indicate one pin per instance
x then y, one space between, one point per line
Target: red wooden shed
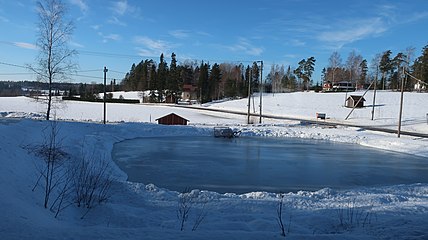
172 119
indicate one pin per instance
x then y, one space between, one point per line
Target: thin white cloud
205 34
384 17
114 20
386 10
297 43
290 56
25 45
114 37
246 47
146 52
180 34
416 17
151 47
120 7
354 31
81 4
3 19
109 37
96 27
76 44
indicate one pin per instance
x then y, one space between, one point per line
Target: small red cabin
172 119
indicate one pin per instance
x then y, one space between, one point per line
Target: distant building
419 87
355 101
170 99
189 92
172 119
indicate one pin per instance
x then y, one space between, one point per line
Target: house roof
173 114
356 98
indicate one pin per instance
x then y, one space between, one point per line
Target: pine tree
299 71
397 64
304 71
290 79
363 71
162 75
203 84
420 66
385 67
174 77
214 80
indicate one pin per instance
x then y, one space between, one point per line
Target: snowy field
144 211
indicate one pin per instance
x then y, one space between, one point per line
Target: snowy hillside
144 211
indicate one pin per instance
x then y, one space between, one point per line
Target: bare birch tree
54 61
277 73
335 62
352 64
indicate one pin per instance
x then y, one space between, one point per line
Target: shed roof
356 98
172 114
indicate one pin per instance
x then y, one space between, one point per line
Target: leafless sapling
284 228
185 202
92 182
51 172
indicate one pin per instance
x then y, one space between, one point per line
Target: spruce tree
161 78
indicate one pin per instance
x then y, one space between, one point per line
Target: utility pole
261 93
403 78
105 75
249 94
374 94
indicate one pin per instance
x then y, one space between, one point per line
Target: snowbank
144 211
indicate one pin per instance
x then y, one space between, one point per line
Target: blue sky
118 33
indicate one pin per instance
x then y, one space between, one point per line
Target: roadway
327 122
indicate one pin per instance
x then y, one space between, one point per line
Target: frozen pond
249 164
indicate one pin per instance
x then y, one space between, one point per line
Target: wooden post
105 74
401 103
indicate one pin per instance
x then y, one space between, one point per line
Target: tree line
229 80
210 82
386 69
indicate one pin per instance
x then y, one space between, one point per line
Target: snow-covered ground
144 211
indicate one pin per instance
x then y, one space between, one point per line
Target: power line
86 76
13 65
94 70
116 71
137 56
29 68
13 74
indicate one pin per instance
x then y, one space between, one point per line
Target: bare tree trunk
49 100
